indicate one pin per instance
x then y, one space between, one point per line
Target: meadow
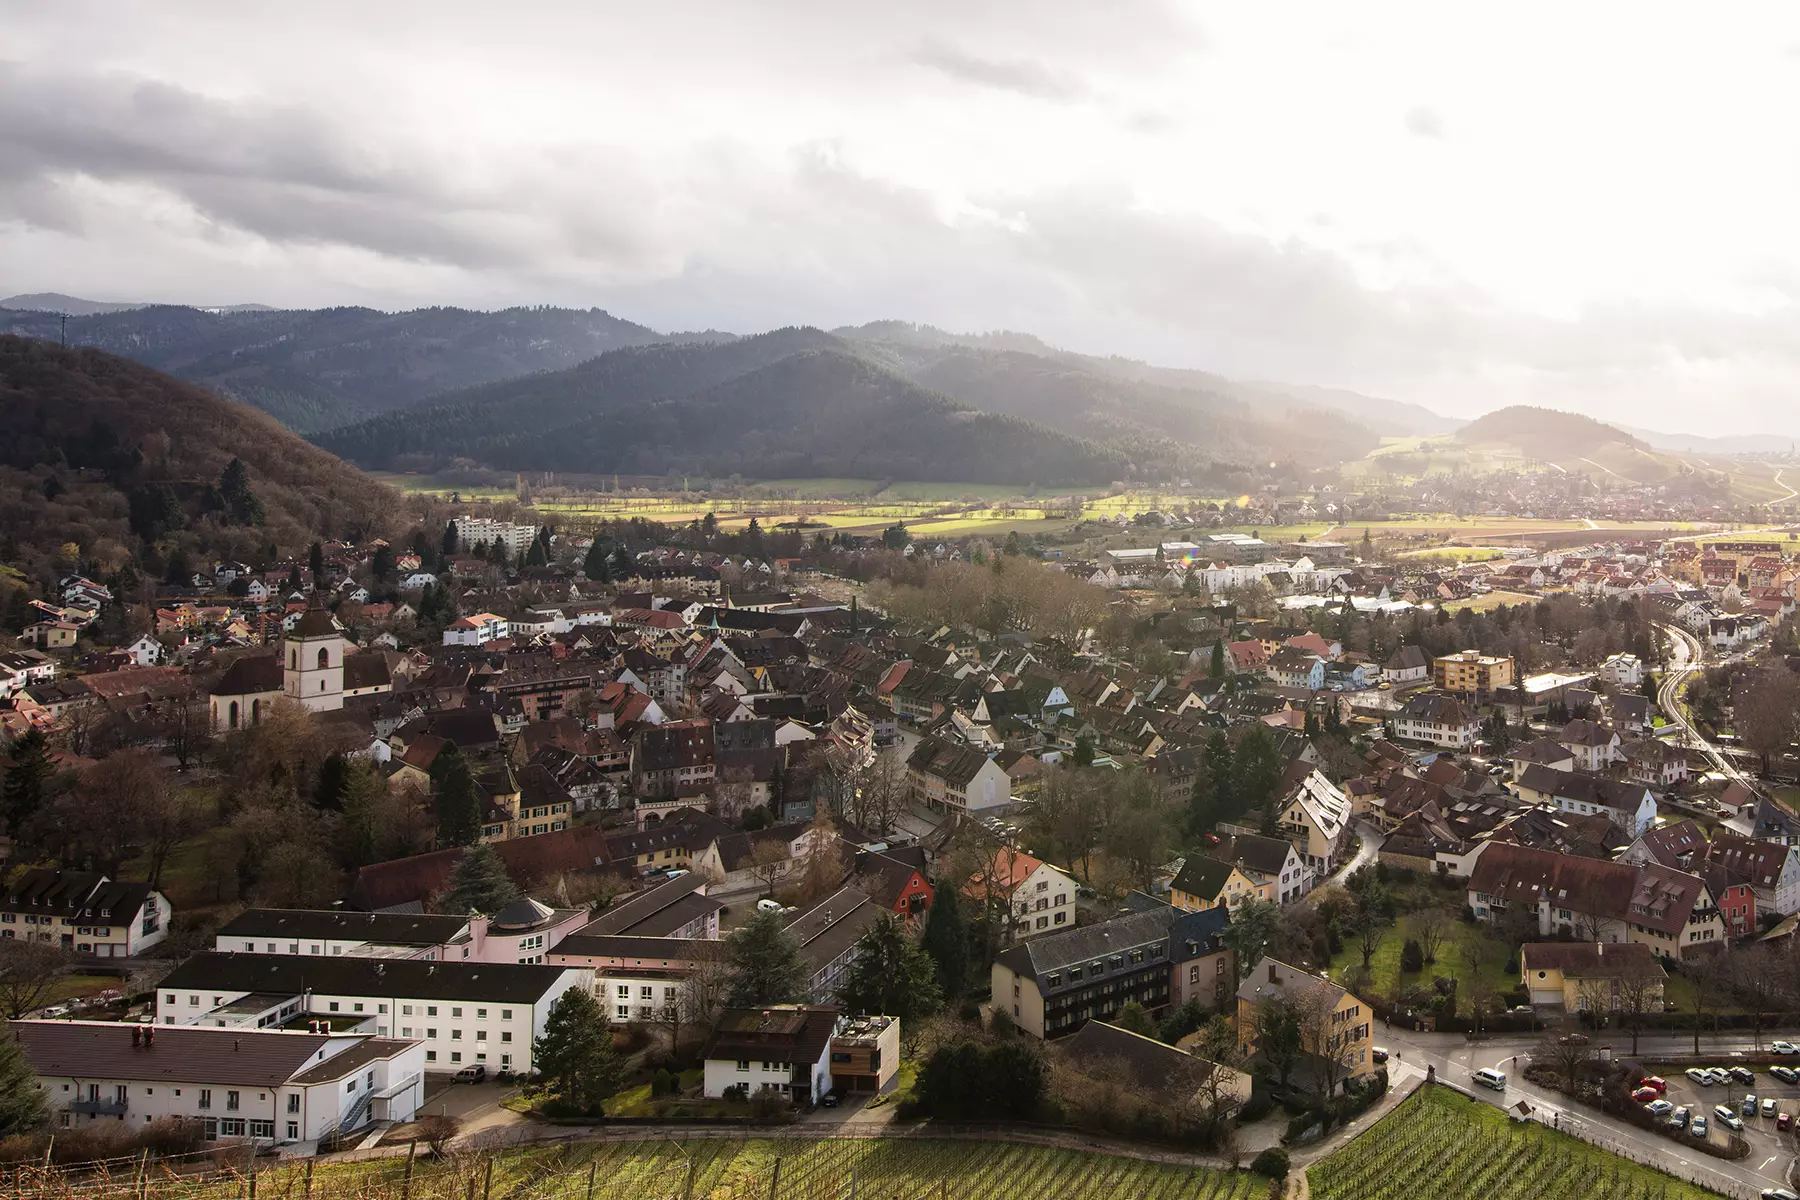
1440 1143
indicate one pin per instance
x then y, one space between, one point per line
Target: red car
1646 1094
1784 1121
1655 1081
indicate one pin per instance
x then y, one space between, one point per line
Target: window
506 1060
205 1097
456 1035
456 1012
431 1010
293 1102
406 1010
349 1085
624 991
262 1129
1060 918
743 1064
506 1014
506 1035
333 1006
1061 899
623 1012
456 1056
430 1031
481 1014
231 1101
431 1056
357 1007
293 1131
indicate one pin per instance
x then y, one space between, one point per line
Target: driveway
476 1105
1372 838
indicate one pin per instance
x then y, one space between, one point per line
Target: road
1365 854
1779 482
1688 656
1456 1060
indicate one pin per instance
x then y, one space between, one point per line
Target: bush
1272 1163
770 1106
662 1083
1412 957
1260 1105
438 1130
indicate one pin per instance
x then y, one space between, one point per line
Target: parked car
1785 1074
1488 1077
830 1099
1379 1054
1644 1095
1655 1081
475 1074
1784 1121
768 906
1768 1106
1701 1076
1679 1118
1784 1047
1659 1108
1727 1118
1749 1105
1742 1074
1777 1194
1698 1127
1523 1010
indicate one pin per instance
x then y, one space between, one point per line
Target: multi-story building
84 912
1267 868
472 531
522 932
1053 985
1472 673
299 1086
829 934
945 776
1334 1024
1038 898
1315 817
467 1014
1437 720
676 759
782 1048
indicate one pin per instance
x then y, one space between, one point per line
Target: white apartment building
481 531
268 1086
466 1014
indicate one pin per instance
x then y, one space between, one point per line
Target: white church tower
312 669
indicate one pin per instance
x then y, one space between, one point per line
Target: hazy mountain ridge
1546 433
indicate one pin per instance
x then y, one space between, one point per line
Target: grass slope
1442 1144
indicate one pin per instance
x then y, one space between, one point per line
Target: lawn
1385 965
1443 1144
765 1168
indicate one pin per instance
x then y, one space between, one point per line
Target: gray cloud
1024 76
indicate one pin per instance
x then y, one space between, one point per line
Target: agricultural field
905 1168
1440 1143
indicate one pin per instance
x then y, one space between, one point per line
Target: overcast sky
1590 206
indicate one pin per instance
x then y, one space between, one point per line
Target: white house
475 630
1437 720
783 1048
1315 816
1623 671
84 912
1593 745
270 1086
417 581
146 651
942 775
1630 806
467 1014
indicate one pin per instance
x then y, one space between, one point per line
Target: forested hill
1545 432
131 465
319 368
787 404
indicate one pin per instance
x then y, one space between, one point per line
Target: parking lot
1760 1130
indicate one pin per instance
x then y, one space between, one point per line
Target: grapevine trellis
1441 1144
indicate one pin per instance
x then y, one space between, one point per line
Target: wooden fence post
775 1179
592 1167
412 1150
487 1185
308 1188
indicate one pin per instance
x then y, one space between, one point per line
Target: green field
1441 1144
774 1168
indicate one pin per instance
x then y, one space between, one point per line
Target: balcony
100 1108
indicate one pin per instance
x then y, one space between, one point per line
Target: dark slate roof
250 675
292 974
1202 876
674 746
832 926
1040 955
643 950
315 622
386 929
955 765
627 912
178 1054
81 896
1155 1067
346 1062
793 1033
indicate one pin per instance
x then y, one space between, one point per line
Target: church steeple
313 659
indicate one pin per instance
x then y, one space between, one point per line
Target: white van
1488 1077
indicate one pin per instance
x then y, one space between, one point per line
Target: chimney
137 1036
149 1036
1272 978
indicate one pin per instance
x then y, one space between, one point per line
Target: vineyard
698 1169
1440 1143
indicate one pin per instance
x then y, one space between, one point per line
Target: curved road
1688 657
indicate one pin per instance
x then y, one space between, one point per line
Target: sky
1592 206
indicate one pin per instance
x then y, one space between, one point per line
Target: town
1209 841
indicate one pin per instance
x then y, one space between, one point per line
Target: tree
1568 1055
1212 798
234 490
455 798
891 976
21 1102
364 795
1428 928
1474 956
1216 668
895 536
1066 814
946 940
824 865
1247 937
698 997
1256 769
576 1055
315 564
1135 1018
1768 714
770 863
1139 829
1084 751
28 973
763 963
381 563
1371 931
1279 1036
27 780
595 564
478 883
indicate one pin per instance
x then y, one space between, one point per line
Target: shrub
770 1106
1260 1105
1272 1163
1412 957
437 1131
662 1083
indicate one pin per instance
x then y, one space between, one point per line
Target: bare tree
1475 956
28 973
1568 1055
770 863
1640 994
187 729
1752 974
1428 929
1371 931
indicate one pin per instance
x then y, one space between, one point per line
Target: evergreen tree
1256 769
294 582
537 556
1216 668
381 564
1212 798
315 564
21 1103
478 883
1135 1018
448 546
595 566
234 491
764 964
333 782
455 798
946 939
364 791
1084 751
27 780
576 1055
891 975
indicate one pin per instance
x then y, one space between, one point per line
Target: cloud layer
1379 205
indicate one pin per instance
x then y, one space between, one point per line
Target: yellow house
1599 976
1204 883
1472 672
1336 1028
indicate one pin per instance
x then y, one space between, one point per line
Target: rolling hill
127 462
1546 433
316 369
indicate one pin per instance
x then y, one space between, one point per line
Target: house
1334 1024
1205 882
1270 869
1296 668
637 978
1671 911
1315 817
289 1087
674 759
146 652
1593 746
1406 665
1437 719
1039 898
894 882
466 1014
1055 984
1630 806
84 912
674 908
1155 1071
1592 976
784 1048
1472 673
1654 763
945 776
476 629
1623 671
1771 869
829 934
1200 963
